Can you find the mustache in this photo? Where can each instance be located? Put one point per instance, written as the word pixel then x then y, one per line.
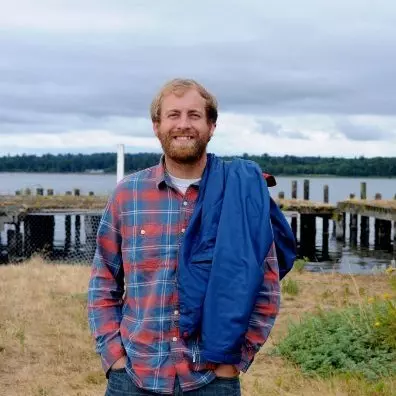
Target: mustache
pixel 184 132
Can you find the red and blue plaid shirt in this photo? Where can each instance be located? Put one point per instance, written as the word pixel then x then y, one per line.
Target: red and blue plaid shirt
pixel 133 299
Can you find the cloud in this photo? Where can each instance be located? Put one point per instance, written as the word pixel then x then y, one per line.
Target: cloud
pixel 285 69
pixel 267 127
pixel 360 132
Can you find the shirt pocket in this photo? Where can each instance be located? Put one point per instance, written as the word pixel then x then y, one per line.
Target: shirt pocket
pixel 144 244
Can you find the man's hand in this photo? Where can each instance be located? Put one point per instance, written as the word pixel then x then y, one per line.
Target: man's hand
pixel 226 371
pixel 119 364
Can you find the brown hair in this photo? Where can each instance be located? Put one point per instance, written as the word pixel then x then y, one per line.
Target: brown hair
pixel 180 86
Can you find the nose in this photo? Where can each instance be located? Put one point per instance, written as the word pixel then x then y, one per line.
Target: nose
pixel 183 122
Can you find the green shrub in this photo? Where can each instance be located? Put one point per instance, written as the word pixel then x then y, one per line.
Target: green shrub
pixel 359 341
pixel 290 286
pixel 300 264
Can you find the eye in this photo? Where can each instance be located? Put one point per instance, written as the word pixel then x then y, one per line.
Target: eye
pixel 172 115
pixel 195 116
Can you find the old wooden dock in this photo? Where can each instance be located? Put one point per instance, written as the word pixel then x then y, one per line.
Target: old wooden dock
pixel 30 220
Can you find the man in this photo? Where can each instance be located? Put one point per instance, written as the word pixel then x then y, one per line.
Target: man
pixel 133 292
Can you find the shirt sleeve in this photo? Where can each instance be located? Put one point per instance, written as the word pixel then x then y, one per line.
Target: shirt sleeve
pixel 106 287
pixel 264 314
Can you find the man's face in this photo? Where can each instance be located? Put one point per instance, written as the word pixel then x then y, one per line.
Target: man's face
pixel 183 130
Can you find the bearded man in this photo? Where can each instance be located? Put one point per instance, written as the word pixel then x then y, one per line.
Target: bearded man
pixel 133 299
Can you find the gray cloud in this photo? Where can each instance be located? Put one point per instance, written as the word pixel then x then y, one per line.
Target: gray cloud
pixel 267 127
pixel 359 132
pixel 317 59
pixel 294 135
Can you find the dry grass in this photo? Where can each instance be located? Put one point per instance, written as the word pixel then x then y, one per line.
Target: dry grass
pixel 46 347
pixel 28 203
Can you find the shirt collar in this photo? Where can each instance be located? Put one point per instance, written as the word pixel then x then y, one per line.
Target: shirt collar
pixel 161 175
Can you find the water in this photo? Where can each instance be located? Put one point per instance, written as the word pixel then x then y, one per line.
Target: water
pixel 342 258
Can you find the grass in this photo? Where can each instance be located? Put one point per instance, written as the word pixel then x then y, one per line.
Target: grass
pixel 290 286
pixel 46 347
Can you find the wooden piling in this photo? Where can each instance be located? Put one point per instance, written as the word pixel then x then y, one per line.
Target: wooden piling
pixel 68 193
pixel 91 193
pixel 378 239
pixel 11 244
pixel 294 226
pixel 364 220
pixel 40 191
pixel 306 190
pixel 76 192
pixel 363 190
pixel 281 195
pixel 19 239
pixel 364 231
pixel 394 231
pixel 78 232
pixel 27 191
pixel 326 193
pixel 325 238
pixel 307 235
pixel 67 234
pixel 294 189
pixel 39 235
pixel 50 192
pixel 384 235
pixel 353 223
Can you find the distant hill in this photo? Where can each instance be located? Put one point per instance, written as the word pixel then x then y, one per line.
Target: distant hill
pixel 285 165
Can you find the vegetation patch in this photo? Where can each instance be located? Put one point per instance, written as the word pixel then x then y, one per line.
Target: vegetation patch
pixel 290 286
pixel 357 340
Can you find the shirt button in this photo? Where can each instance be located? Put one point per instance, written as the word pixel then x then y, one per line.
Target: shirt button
pixel 176 312
pixel 183 230
pixel 185 203
pixel 142 232
pixel 174 339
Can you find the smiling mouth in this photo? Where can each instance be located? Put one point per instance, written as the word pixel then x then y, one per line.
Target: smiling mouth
pixel 185 138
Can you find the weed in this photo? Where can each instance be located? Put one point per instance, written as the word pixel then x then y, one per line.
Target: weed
pixel 42 391
pixel 290 286
pixel 345 341
pixel 300 264
pixel 20 335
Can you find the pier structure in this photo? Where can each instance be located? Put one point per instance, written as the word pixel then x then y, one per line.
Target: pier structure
pixel 349 218
pixel 30 222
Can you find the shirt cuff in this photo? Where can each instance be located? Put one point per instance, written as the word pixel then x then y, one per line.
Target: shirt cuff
pixel 248 354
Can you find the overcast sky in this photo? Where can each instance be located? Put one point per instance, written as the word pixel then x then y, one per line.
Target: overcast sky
pixel 303 77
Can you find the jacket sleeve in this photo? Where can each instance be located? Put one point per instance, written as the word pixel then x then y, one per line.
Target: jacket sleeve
pixel 106 287
pixel 264 314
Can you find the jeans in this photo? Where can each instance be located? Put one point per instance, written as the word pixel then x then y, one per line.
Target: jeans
pixel 120 384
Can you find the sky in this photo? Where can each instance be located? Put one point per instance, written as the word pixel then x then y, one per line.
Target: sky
pixel 298 78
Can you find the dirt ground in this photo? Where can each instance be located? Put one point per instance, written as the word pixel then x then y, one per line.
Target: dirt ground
pixel 46 348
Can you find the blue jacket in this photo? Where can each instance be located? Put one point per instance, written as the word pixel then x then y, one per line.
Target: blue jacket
pixel 222 256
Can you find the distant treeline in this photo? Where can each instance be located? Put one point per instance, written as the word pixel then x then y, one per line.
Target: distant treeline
pixel 286 165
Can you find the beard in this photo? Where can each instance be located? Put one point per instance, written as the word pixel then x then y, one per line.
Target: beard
pixel 184 152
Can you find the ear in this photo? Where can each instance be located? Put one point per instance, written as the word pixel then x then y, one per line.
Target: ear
pixel 212 129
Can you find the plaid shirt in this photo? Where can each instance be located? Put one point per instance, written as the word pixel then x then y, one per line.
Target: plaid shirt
pixel 133 298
